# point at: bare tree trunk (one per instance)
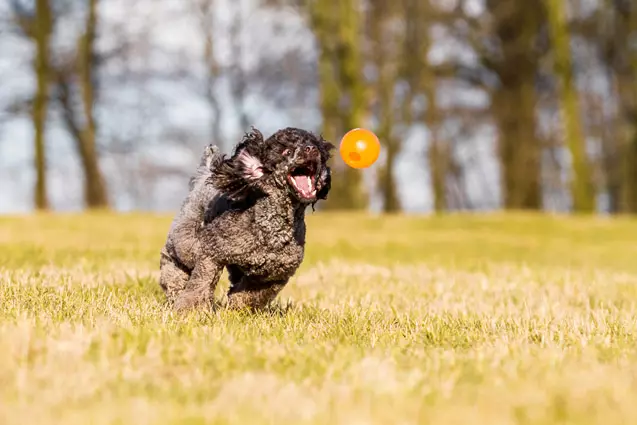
(519, 148)
(238, 76)
(205, 9)
(582, 189)
(628, 147)
(95, 193)
(323, 24)
(628, 99)
(42, 33)
(350, 64)
(340, 69)
(421, 79)
(610, 34)
(391, 202)
(438, 153)
(517, 25)
(382, 46)
(630, 175)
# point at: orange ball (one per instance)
(359, 148)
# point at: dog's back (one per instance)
(181, 242)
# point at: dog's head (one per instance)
(291, 162)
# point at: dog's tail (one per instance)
(208, 159)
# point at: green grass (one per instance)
(494, 319)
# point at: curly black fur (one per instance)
(246, 212)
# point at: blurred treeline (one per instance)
(516, 104)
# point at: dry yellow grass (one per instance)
(495, 319)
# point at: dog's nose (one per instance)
(311, 150)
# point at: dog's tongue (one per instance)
(303, 184)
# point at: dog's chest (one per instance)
(272, 257)
(275, 264)
(269, 247)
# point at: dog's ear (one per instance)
(250, 166)
(247, 155)
(325, 182)
(234, 175)
(325, 148)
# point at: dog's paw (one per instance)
(184, 303)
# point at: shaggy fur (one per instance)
(246, 213)
(182, 245)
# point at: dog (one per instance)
(245, 213)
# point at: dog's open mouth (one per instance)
(303, 180)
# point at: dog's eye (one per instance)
(286, 152)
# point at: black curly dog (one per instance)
(246, 213)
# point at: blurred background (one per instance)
(479, 104)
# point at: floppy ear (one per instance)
(325, 182)
(251, 166)
(325, 148)
(233, 176)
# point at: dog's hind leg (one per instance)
(172, 278)
(200, 288)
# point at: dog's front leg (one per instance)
(200, 288)
(253, 295)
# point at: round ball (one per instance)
(359, 148)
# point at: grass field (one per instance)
(494, 319)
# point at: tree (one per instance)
(95, 193)
(626, 69)
(61, 77)
(421, 80)
(42, 30)
(516, 26)
(237, 75)
(343, 100)
(385, 56)
(37, 25)
(505, 40)
(612, 29)
(582, 189)
(206, 13)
